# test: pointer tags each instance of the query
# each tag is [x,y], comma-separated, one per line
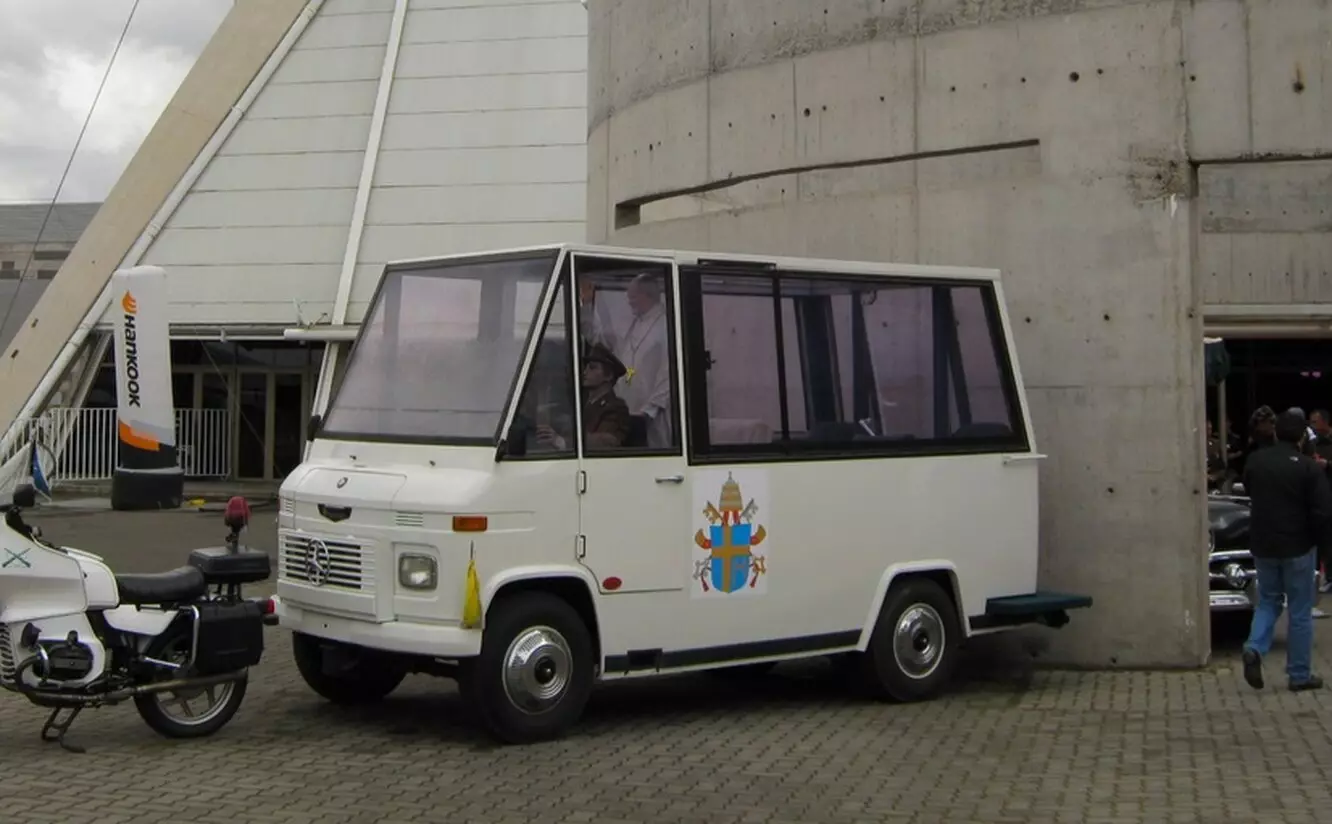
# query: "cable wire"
[68,164]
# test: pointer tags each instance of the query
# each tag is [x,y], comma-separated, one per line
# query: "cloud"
[53,54]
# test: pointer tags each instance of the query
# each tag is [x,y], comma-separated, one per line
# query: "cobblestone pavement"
[1051,748]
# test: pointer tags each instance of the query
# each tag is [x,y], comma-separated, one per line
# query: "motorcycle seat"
[183,584]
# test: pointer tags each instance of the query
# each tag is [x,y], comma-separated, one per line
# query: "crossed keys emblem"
[16,559]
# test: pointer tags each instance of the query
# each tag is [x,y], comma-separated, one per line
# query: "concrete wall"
[1051,138]
[1260,127]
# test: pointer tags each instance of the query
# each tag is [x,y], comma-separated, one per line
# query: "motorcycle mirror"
[25,496]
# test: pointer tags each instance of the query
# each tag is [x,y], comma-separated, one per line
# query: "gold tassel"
[471,617]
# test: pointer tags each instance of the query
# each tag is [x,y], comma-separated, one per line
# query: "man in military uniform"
[1291,523]
[605,416]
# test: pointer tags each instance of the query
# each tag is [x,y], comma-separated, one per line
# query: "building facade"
[35,239]
[1140,170]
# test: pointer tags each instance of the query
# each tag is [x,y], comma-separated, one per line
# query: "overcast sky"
[53,54]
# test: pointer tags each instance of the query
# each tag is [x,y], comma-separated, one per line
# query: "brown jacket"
[605,422]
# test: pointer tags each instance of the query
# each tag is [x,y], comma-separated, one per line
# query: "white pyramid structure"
[313,141]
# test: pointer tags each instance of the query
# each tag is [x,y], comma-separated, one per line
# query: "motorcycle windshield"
[439,351]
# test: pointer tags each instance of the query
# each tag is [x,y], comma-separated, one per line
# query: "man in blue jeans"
[1291,523]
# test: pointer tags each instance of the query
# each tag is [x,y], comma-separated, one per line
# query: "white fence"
[83,442]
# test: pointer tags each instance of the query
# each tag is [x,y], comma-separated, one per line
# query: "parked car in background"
[1230,569]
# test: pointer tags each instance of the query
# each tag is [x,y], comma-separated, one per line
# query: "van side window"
[740,359]
[792,364]
[628,372]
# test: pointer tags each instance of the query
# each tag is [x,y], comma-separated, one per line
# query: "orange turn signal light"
[469,523]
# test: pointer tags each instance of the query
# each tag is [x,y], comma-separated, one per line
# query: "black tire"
[370,679]
[224,700]
[924,666]
[560,661]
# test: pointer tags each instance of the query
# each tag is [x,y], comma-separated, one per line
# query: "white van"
[548,467]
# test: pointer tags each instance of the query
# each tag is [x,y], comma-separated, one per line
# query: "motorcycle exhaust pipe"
[182,684]
[56,699]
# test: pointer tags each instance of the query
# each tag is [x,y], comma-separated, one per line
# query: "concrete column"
[1051,145]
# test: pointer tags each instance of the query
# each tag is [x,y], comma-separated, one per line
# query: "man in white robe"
[643,348]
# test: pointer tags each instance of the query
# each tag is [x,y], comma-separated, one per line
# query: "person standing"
[1321,423]
[1291,521]
[1260,436]
[644,349]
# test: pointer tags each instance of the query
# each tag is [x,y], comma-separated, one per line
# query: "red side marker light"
[611,584]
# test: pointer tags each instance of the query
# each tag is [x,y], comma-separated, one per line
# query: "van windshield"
[438,350]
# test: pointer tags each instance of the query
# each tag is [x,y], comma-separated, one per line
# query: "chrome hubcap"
[537,667]
[918,641]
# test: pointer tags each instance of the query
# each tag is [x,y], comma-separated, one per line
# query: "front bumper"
[1244,598]
[1229,600]
[406,637]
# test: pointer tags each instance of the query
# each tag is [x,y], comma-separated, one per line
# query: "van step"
[1036,603]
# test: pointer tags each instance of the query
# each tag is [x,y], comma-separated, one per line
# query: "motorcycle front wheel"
[197,712]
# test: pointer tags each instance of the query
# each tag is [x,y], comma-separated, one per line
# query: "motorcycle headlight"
[418,572]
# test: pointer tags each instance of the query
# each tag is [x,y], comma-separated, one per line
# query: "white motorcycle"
[74,635]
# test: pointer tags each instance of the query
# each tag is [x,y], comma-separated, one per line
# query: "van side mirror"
[25,496]
[312,426]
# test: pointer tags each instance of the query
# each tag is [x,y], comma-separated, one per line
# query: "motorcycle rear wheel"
[222,703]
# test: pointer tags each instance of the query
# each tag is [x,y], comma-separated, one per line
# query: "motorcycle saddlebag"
[231,636]
[221,566]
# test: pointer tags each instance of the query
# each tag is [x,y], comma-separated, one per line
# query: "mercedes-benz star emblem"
[342,482]
[318,563]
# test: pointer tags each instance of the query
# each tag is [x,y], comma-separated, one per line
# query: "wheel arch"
[572,585]
[943,573]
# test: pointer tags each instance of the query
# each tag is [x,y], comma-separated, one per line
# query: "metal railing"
[203,442]
[82,442]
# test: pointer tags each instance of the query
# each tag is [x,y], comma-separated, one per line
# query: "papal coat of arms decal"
[725,561]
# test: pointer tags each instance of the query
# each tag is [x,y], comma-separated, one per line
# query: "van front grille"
[327,562]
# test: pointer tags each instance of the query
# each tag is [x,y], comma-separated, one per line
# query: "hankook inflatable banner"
[147,474]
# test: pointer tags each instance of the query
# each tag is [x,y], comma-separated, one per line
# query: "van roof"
[693,258]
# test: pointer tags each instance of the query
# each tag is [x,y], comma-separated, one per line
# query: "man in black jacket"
[1291,521]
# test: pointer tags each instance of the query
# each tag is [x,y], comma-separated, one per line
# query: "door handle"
[671,479]
[1010,460]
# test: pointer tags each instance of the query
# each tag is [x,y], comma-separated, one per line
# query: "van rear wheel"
[913,651]
[363,679]
[534,675]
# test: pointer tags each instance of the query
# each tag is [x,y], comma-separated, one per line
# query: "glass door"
[290,409]
[252,404]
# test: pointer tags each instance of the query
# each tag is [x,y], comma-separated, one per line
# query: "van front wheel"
[535,671]
[913,651]
[362,679]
